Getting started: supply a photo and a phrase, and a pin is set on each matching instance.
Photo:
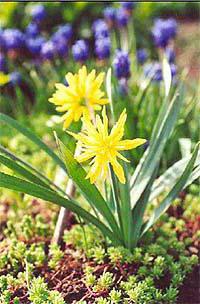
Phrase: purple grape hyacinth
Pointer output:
(102, 48)
(64, 31)
(121, 64)
(32, 30)
(47, 50)
(13, 39)
(100, 29)
(110, 15)
(128, 5)
(164, 30)
(61, 47)
(154, 71)
(141, 55)
(122, 17)
(38, 13)
(34, 45)
(80, 51)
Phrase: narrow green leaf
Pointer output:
(21, 171)
(89, 191)
(173, 193)
(31, 136)
(139, 210)
(169, 177)
(125, 210)
(20, 185)
(155, 150)
(30, 168)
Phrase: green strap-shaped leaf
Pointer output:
(169, 178)
(20, 185)
(89, 191)
(173, 193)
(9, 163)
(155, 150)
(139, 210)
(125, 210)
(30, 168)
(31, 136)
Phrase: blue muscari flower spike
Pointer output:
(80, 50)
(34, 45)
(38, 13)
(3, 63)
(100, 28)
(15, 78)
(102, 48)
(64, 31)
(128, 5)
(122, 17)
(121, 64)
(164, 30)
(110, 14)
(154, 71)
(170, 54)
(48, 50)
(61, 48)
(32, 30)
(141, 56)
(13, 39)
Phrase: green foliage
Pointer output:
(39, 293)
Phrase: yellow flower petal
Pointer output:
(82, 94)
(130, 144)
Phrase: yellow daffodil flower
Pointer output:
(104, 148)
(82, 94)
(4, 79)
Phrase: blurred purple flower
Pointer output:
(110, 14)
(65, 31)
(61, 47)
(34, 45)
(38, 13)
(102, 48)
(122, 17)
(128, 5)
(142, 56)
(80, 50)
(32, 30)
(154, 71)
(100, 28)
(13, 39)
(47, 50)
(164, 30)
(121, 64)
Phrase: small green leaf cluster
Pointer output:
(55, 254)
(39, 293)
(27, 228)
